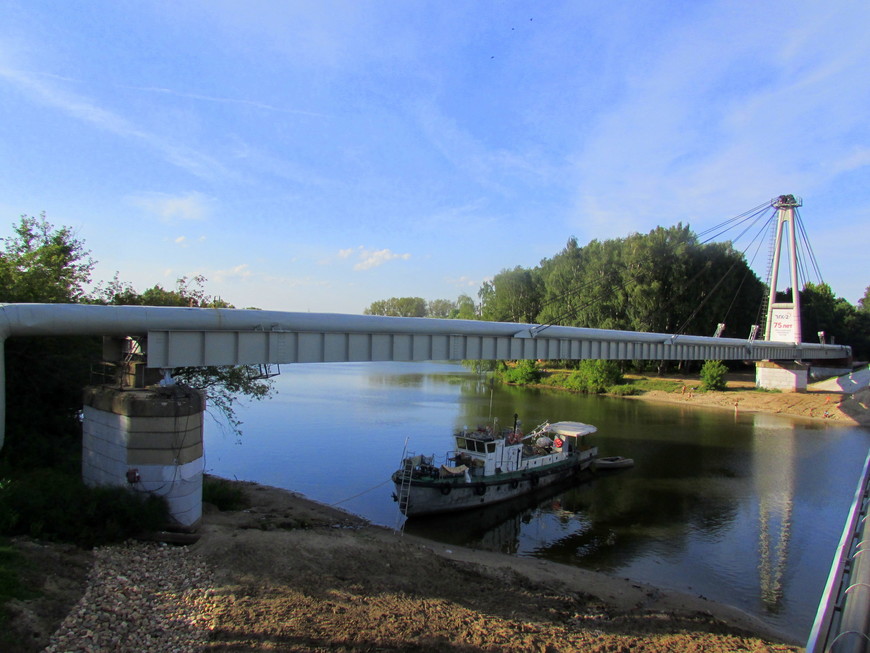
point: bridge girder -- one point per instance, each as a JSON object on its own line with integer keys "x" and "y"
{"x": 179, "y": 337}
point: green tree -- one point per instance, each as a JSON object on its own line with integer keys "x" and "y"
{"x": 40, "y": 263}
{"x": 522, "y": 373}
{"x": 441, "y": 308}
{"x": 465, "y": 308}
{"x": 512, "y": 296}
{"x": 713, "y": 376}
{"x": 44, "y": 375}
{"x": 223, "y": 385}
{"x": 594, "y": 376}
{"x": 398, "y": 307}
{"x": 822, "y": 311}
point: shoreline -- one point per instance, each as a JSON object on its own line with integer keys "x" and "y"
{"x": 289, "y": 573}
{"x": 827, "y": 407}
{"x": 281, "y": 570}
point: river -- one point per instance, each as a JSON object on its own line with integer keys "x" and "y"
{"x": 745, "y": 509}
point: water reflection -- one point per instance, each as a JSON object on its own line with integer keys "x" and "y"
{"x": 774, "y": 486}
{"x": 742, "y": 508}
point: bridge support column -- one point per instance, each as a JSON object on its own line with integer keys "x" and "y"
{"x": 788, "y": 377}
{"x": 149, "y": 440}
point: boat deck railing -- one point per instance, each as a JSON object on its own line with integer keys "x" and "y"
{"x": 842, "y": 622}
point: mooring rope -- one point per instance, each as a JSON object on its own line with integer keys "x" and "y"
{"x": 362, "y": 493}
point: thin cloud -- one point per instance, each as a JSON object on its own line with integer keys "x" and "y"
{"x": 85, "y": 110}
{"x": 371, "y": 258}
{"x": 223, "y": 100}
{"x": 174, "y": 208}
{"x": 239, "y": 272}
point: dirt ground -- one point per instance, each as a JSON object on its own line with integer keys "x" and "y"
{"x": 297, "y": 576}
{"x": 294, "y": 575}
{"x": 741, "y": 396}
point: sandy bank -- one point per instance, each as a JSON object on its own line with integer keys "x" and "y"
{"x": 741, "y": 397}
{"x": 289, "y": 574}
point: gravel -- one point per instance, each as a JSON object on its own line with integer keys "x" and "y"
{"x": 140, "y": 597}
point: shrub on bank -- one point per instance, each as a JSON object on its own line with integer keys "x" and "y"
{"x": 52, "y": 505}
{"x": 222, "y": 494}
{"x": 713, "y": 376}
{"x": 594, "y": 376}
{"x": 523, "y": 373}
{"x": 623, "y": 390}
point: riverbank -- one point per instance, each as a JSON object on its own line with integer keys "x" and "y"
{"x": 293, "y": 575}
{"x": 742, "y": 397}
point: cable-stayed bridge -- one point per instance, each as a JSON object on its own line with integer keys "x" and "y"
{"x": 193, "y": 337}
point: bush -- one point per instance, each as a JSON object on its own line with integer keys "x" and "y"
{"x": 52, "y": 505}
{"x": 594, "y": 376}
{"x": 623, "y": 390}
{"x": 713, "y": 376}
{"x": 523, "y": 373}
{"x": 222, "y": 494}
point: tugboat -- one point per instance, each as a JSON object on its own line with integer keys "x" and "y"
{"x": 488, "y": 467}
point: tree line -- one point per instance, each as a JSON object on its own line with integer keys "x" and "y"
{"x": 664, "y": 281}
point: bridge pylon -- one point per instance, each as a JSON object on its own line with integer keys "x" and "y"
{"x": 783, "y": 318}
{"x": 783, "y": 322}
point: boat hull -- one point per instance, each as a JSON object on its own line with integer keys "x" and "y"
{"x": 434, "y": 496}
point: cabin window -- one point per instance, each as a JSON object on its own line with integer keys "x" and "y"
{"x": 480, "y": 446}
{"x": 460, "y": 443}
{"x": 490, "y": 447}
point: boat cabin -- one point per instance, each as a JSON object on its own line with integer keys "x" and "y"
{"x": 486, "y": 453}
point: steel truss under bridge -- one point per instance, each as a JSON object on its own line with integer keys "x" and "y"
{"x": 195, "y": 337}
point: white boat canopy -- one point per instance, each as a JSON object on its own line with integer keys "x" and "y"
{"x": 571, "y": 428}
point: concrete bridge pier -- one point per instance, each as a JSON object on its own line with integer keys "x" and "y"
{"x": 147, "y": 439}
{"x": 788, "y": 376}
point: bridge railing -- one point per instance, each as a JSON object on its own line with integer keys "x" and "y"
{"x": 842, "y": 623}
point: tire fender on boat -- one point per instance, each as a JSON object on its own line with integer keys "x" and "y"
{"x": 534, "y": 480}
{"x": 445, "y": 489}
{"x": 480, "y": 489}
{"x": 514, "y": 484}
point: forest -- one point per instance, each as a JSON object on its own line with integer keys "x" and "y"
{"x": 665, "y": 281}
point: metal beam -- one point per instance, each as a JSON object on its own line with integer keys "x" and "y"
{"x": 220, "y": 336}
{"x": 196, "y": 348}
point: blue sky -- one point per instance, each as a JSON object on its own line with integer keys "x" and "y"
{"x": 318, "y": 156}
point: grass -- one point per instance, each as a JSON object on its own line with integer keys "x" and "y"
{"x": 223, "y": 494}
{"x": 645, "y": 384}
{"x": 10, "y": 582}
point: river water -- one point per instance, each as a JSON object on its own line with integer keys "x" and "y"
{"x": 745, "y": 509}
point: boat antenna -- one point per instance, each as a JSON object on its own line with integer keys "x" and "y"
{"x": 515, "y": 422}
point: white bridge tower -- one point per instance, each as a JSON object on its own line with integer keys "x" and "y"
{"x": 784, "y": 318}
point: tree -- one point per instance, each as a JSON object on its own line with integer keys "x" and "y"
{"x": 398, "y": 307}
{"x": 512, "y": 296}
{"x": 43, "y": 264}
{"x": 222, "y": 384}
{"x": 465, "y": 308}
{"x": 440, "y": 308}
{"x": 713, "y": 376}
{"x": 594, "y": 376}
{"x": 822, "y": 311}
{"x": 45, "y": 375}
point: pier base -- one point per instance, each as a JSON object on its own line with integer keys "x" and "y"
{"x": 149, "y": 440}
{"x": 788, "y": 377}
